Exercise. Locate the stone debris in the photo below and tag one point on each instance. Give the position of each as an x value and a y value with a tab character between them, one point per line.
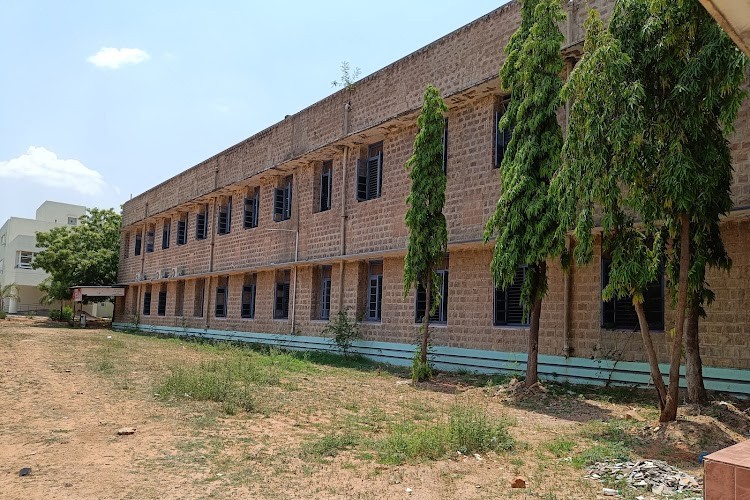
126	431
655	475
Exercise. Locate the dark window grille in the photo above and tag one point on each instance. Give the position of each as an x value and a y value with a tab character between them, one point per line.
375	292
147	303
166	234
224	221
370	174
150	236
248	301
326	185
138	242
182	231
200	225
282	205
199	298
250	215
619	313
221	302
508	305
325	298
161	307
281	299
441	313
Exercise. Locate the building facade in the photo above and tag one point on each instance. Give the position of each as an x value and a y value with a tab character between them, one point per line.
18	249
268	239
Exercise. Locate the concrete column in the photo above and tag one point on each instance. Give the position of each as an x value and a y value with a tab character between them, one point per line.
13	305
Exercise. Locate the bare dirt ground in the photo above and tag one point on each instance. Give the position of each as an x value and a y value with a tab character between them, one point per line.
64	393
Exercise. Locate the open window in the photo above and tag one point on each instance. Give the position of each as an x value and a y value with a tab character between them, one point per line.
370	173
507	303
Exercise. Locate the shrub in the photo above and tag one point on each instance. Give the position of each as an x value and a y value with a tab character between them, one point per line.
3	314
420	371
54	314
65	315
343	331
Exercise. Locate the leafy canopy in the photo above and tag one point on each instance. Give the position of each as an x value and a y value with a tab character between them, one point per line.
86	254
428	234
525	218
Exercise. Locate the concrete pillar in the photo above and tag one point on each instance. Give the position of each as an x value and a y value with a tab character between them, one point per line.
13	305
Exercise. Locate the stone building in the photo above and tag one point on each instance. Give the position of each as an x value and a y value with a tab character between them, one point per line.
266	240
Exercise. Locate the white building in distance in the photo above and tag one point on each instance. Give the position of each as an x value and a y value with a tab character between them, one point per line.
18	249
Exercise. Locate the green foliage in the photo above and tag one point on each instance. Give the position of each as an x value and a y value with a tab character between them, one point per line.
65	315
420	371
468	430
428	234
329	445
348	77
8	291
86	254
3	315
525	218
343	331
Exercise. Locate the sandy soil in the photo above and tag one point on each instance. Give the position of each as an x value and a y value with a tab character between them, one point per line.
64	394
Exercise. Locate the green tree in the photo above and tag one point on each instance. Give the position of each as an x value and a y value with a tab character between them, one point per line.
526	215
428	234
8	291
86	254
597	157
656	148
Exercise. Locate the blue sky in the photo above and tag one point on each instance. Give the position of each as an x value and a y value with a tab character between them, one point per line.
101	100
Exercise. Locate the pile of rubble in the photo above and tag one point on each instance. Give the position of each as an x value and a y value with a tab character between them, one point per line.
655	475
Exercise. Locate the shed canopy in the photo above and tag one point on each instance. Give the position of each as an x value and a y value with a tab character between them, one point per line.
79	292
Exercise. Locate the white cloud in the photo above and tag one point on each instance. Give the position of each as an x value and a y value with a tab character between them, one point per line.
42	166
112	58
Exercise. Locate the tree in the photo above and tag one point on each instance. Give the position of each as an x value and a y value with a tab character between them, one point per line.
8	291
598	157
428	234
672	94
86	254
526	215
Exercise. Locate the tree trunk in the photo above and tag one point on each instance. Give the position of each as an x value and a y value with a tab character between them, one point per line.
696	391
653	361
669	413
426	319
536	312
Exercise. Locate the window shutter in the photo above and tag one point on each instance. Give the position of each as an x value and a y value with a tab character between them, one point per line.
181	232
514	307
361	180
375	297
329	190
247	222
325	190
374	175
498	140
228	225
285	309
500	318
278	204
200	226
256	204
287	201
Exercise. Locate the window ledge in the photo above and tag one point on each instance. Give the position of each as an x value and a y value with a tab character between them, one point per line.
627	330
510	327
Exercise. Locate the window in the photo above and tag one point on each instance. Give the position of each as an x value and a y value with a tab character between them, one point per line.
161	306
508	305
147	302
199	297
445	146
441	313
150	236
126	245
252	205
224	221
72	221
182	229
200	223
25	260
325	292
282	200
502	137
166	233
221	297
281	296
374	291
326	186
179	298
619	313
248	297
370	173
137	243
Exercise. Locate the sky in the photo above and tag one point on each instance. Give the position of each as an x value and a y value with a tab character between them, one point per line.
103	100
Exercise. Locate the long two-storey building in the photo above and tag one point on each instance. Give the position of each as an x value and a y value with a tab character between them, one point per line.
267	240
